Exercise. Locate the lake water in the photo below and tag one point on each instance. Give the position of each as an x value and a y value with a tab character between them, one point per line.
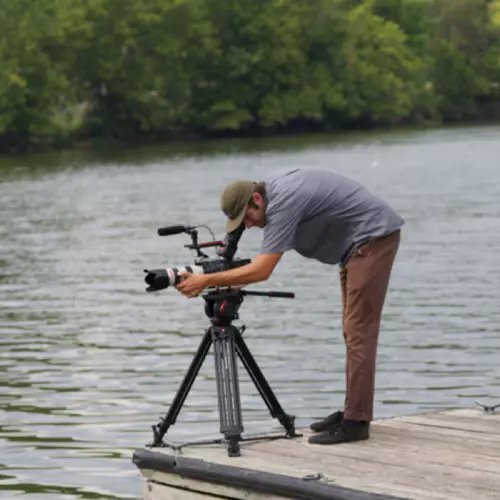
89	360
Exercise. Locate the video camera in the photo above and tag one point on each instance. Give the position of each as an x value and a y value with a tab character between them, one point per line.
159	279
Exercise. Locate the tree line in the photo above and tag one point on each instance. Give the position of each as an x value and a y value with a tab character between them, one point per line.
134	70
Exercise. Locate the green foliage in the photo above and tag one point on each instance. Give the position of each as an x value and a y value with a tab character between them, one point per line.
376	53
32	82
456	83
463	64
127	69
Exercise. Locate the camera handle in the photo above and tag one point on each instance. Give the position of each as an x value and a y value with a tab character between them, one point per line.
226	248
222	307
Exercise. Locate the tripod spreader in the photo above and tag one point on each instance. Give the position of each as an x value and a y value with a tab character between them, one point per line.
221	306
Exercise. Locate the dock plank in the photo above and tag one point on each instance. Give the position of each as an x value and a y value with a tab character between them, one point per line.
393	465
461	420
439	433
191	489
449	455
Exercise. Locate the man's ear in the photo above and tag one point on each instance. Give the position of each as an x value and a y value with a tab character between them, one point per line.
257	198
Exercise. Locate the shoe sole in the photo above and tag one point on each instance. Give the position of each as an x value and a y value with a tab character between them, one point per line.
340	442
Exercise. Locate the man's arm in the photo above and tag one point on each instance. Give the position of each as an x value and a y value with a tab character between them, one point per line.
260	269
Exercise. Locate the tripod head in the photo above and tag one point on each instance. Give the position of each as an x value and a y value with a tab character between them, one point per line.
222	305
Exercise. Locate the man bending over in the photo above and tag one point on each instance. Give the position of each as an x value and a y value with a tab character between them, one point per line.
324	216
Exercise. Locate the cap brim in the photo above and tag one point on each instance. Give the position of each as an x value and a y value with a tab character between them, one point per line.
233	224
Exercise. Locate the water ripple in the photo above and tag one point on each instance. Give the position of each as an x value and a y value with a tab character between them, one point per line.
89	361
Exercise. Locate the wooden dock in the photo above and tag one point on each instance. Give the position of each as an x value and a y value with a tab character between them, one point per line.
436	456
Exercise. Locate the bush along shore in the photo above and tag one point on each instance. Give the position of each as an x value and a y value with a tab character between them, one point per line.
75	71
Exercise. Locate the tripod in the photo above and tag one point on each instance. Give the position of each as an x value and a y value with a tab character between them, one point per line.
222	306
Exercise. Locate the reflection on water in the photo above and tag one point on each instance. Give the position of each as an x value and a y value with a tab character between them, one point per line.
89	361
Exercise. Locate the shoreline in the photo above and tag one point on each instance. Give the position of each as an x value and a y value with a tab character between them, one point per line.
186	140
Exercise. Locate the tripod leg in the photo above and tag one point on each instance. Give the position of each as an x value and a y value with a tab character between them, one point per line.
160	429
287	421
228	391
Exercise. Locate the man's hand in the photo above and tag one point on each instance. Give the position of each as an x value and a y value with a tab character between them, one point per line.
192	284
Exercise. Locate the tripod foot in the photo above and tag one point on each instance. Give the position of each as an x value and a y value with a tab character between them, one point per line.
288	422
157	438
233	448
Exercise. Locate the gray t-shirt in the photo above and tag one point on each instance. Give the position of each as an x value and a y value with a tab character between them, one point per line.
322	215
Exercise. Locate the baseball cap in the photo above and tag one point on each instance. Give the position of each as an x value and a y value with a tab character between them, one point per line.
234	202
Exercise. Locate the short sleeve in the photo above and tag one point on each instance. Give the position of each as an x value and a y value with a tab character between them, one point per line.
279	233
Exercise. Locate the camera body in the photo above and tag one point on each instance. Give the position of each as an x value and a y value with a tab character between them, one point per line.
159	279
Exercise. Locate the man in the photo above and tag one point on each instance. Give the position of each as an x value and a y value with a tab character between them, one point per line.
335	220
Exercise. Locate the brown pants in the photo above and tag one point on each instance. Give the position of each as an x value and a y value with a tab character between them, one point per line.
364	281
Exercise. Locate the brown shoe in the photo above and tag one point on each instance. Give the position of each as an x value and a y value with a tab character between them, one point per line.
328	422
346	432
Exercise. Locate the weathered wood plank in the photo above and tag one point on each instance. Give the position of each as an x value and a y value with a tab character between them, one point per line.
160	491
181	488
478	422
394	453
442	434
442	456
391	465
252	480
252	459
398	480
421	441
474	413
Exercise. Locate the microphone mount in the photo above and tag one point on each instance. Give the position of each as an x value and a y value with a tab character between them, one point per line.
226	248
192	231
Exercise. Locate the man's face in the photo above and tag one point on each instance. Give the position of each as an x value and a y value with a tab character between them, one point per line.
255	215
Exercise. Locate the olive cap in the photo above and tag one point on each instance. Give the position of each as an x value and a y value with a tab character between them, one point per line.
234	202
